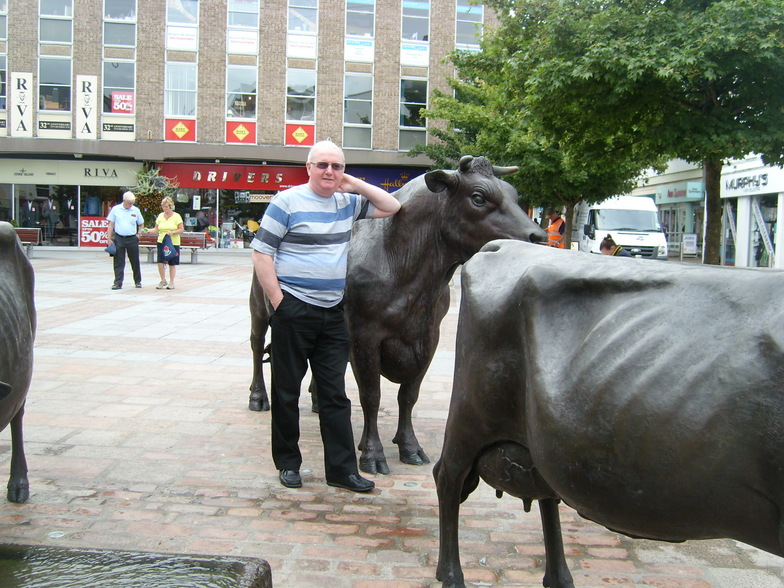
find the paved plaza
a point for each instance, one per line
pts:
(138, 437)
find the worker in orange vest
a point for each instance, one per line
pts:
(555, 231)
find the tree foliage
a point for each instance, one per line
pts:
(585, 94)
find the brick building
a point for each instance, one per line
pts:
(224, 96)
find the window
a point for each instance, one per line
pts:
(357, 110)
(3, 21)
(469, 19)
(54, 83)
(119, 86)
(413, 98)
(244, 14)
(182, 12)
(360, 17)
(303, 15)
(301, 95)
(240, 92)
(119, 23)
(416, 20)
(3, 90)
(56, 21)
(180, 99)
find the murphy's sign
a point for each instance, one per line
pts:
(765, 180)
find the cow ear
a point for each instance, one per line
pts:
(439, 180)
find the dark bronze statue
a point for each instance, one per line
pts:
(397, 288)
(18, 320)
(647, 396)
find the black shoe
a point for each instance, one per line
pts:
(116, 287)
(290, 478)
(353, 482)
(139, 285)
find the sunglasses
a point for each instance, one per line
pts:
(324, 165)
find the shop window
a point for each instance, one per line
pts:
(764, 210)
(181, 85)
(3, 69)
(301, 95)
(416, 20)
(182, 12)
(3, 21)
(468, 23)
(118, 87)
(360, 18)
(240, 92)
(54, 83)
(243, 14)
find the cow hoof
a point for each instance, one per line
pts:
(258, 402)
(419, 458)
(18, 493)
(373, 466)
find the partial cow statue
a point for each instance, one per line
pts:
(18, 320)
(647, 396)
(397, 288)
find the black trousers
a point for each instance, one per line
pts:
(129, 246)
(303, 333)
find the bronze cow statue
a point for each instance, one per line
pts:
(18, 320)
(647, 396)
(397, 288)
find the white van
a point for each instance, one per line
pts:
(632, 222)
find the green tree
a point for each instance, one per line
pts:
(696, 79)
(488, 115)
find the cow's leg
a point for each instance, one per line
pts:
(450, 473)
(258, 390)
(366, 368)
(411, 451)
(556, 573)
(18, 484)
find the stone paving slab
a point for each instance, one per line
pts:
(138, 437)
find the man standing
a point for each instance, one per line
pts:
(555, 231)
(299, 257)
(124, 222)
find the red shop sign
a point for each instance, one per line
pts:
(234, 177)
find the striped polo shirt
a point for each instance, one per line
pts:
(308, 236)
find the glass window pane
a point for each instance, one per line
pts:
(359, 87)
(182, 11)
(54, 71)
(116, 34)
(241, 92)
(3, 27)
(57, 7)
(2, 82)
(55, 30)
(301, 82)
(357, 112)
(300, 108)
(413, 91)
(244, 13)
(468, 33)
(181, 77)
(303, 19)
(120, 9)
(407, 140)
(119, 74)
(356, 137)
(54, 97)
(359, 24)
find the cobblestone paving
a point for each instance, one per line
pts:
(138, 437)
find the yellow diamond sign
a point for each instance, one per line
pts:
(241, 132)
(180, 129)
(300, 134)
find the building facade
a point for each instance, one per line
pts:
(222, 96)
(752, 194)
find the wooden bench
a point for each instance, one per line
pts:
(192, 241)
(29, 236)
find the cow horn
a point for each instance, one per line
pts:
(503, 171)
(465, 163)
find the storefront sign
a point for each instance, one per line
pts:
(241, 132)
(180, 130)
(86, 107)
(299, 134)
(361, 50)
(234, 177)
(92, 231)
(21, 107)
(242, 42)
(68, 173)
(123, 102)
(182, 38)
(415, 54)
(301, 46)
(766, 180)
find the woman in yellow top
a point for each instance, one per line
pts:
(168, 223)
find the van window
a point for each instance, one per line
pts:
(614, 219)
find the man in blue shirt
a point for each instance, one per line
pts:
(125, 220)
(299, 257)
